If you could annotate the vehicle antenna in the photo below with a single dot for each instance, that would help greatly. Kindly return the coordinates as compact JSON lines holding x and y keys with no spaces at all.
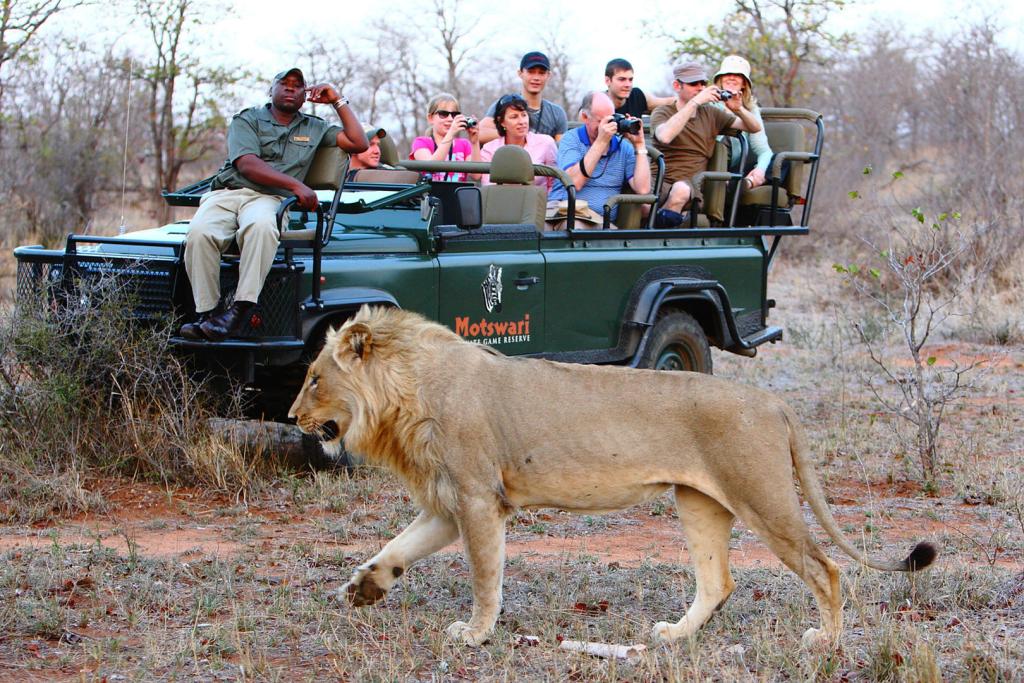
{"x":122,"y":229}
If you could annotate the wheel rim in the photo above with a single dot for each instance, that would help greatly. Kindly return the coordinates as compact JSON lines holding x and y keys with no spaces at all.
{"x":674,"y":357}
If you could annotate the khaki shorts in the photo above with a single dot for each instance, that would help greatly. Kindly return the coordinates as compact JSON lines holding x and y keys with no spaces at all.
{"x":666,"y":189}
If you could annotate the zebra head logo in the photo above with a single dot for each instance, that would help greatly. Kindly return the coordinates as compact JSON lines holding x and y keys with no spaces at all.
{"x":491,"y":287}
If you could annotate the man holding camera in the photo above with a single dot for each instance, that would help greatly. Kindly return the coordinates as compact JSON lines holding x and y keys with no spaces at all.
{"x":270,"y":149}
{"x":685,"y":133}
{"x":599,"y":157}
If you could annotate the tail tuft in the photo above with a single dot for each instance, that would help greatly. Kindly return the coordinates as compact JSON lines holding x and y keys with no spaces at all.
{"x":921,"y":556}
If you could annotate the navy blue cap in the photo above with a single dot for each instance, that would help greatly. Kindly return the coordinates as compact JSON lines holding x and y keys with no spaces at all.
{"x":532,"y":59}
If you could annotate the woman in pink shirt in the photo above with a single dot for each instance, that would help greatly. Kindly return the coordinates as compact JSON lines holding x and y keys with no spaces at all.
{"x":446,"y":121}
{"x":513,"y":124}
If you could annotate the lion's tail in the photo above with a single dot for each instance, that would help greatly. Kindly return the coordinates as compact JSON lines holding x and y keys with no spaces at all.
{"x":921,"y":556}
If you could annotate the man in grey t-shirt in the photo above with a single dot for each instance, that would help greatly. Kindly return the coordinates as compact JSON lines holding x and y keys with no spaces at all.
{"x":545,"y":116}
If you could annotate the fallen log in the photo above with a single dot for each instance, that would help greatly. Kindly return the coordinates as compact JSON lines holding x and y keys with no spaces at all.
{"x":285,"y":442}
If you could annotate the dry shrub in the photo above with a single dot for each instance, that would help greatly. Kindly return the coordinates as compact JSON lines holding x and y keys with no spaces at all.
{"x":86,"y":391}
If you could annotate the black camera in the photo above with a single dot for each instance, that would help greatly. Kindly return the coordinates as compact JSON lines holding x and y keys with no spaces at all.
{"x":470,"y":122}
{"x":726,"y":94}
{"x":626,"y":125}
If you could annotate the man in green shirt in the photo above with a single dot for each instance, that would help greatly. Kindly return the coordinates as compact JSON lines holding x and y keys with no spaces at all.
{"x":270,"y":149}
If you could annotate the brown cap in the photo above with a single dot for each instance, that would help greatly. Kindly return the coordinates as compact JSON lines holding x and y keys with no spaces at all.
{"x":689,"y":72}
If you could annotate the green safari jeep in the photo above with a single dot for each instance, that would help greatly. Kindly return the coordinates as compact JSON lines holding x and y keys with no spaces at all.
{"x":479,"y":260}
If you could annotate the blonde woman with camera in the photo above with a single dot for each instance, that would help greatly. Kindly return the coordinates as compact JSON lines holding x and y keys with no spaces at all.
{"x":441,"y":143}
{"x":733,"y":77}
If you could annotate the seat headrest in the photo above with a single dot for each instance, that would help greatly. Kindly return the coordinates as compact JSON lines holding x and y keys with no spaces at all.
{"x":511,"y":165}
{"x":386,"y":175}
{"x":388,"y":151}
{"x":325,"y":171}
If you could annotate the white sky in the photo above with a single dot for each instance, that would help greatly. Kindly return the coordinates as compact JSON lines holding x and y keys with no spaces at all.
{"x":598,"y":30}
{"x":595,"y":31}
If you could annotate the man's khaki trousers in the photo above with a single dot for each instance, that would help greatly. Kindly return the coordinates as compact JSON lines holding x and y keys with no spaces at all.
{"x":225,"y":215}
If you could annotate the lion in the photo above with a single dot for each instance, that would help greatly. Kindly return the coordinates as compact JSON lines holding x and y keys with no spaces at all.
{"x":476,"y":435}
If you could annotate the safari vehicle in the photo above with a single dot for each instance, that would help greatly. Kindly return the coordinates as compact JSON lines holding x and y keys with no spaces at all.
{"x":478,"y":260}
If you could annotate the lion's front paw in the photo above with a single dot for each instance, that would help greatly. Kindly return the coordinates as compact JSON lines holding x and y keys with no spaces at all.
{"x":462,"y":632}
{"x":662,"y":632}
{"x":361,"y":589}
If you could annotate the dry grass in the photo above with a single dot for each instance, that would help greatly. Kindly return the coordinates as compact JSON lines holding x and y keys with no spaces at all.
{"x":263,"y":609}
{"x":268,"y":613}
{"x":84,"y":392}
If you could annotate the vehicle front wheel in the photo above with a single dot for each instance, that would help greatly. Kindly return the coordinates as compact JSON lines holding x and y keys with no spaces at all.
{"x":677,"y":342}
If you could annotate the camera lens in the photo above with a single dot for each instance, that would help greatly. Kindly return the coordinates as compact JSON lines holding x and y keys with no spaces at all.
{"x":626,"y":125}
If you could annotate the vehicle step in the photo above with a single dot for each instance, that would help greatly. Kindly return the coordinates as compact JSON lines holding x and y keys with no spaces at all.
{"x":768,"y":334}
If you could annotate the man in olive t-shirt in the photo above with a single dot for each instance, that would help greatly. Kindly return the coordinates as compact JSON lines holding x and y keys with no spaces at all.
{"x":685,"y":131}
{"x":270,"y":149}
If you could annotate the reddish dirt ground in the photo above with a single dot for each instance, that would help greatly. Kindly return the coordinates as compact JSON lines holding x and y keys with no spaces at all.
{"x":185,"y":523}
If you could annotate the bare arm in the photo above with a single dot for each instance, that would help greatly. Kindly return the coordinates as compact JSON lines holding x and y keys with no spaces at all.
{"x":641,"y":180}
{"x":488,"y":131}
{"x":746,"y":121}
{"x":261,"y":173}
{"x":352,"y":139}
{"x":667,"y":131}
{"x":655,"y":101}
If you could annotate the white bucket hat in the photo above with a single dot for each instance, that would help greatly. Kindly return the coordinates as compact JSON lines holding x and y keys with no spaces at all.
{"x":734,"y":64}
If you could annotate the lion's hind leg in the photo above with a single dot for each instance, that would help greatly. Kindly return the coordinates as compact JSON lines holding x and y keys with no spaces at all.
{"x":371,"y":581}
{"x":779,"y":523}
{"x":707,"y":526}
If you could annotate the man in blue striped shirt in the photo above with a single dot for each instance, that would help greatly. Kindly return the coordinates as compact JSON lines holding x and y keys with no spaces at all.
{"x":599,"y":161}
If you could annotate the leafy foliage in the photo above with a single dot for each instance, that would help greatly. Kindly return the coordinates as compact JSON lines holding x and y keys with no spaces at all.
{"x":779,"y":37}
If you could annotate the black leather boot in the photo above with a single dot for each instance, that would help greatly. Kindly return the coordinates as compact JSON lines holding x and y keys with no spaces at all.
{"x":222,"y":326}
{"x":193,"y":330}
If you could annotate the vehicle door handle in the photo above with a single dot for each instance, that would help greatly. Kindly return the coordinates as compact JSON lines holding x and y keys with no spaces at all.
{"x":524,"y":282}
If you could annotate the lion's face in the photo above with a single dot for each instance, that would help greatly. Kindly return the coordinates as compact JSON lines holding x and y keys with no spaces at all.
{"x":324,"y":405}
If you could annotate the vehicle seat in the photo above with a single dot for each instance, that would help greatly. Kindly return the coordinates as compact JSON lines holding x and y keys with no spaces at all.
{"x":389,"y":176}
{"x":329,"y":163}
{"x":783,"y":136}
{"x":714,"y":190}
{"x":631,"y":215}
{"x":513,"y":198}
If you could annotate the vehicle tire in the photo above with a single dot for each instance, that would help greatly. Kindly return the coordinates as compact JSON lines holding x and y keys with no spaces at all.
{"x":677,"y":342}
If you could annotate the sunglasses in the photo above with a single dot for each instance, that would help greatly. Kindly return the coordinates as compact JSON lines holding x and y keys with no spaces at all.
{"x":509,"y":99}
{"x":700,"y":83}
{"x":445,"y":114}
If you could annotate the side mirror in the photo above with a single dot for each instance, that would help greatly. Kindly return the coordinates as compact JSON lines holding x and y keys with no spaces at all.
{"x":469,"y":208}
